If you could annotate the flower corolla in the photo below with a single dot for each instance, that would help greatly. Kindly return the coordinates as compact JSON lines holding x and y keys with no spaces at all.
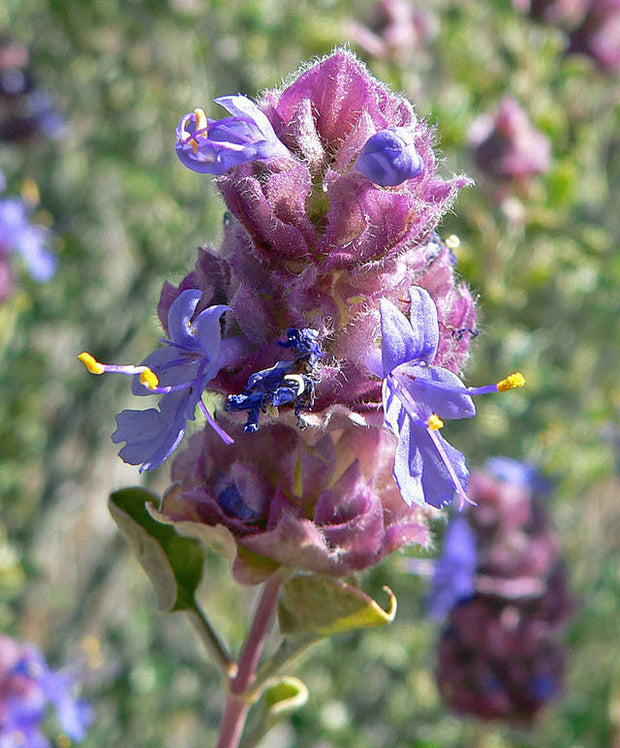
{"x":417,"y":396}
{"x":28,"y":687}
{"x":215,"y":146}
{"x":180,"y":372}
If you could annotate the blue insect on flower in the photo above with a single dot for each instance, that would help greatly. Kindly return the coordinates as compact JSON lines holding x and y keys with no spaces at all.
{"x":284,"y":383}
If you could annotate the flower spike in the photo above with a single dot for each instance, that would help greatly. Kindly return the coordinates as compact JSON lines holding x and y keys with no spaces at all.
{"x":418,"y":396}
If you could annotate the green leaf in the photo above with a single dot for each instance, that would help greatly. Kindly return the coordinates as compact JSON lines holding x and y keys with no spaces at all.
{"x":173,"y":563}
{"x":285,"y":696}
{"x":314,"y":607}
{"x":279,"y":699}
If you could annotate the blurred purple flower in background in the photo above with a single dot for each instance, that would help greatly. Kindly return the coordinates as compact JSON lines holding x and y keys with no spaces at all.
{"x":19,"y":235}
{"x":28,"y":688}
{"x":598,"y":35}
{"x":564,"y":13}
{"x":593,"y":26}
{"x":455,"y":570}
{"x":25,"y":110}
{"x":506,"y":146}
{"x":395,"y":31}
{"x":500,"y":655}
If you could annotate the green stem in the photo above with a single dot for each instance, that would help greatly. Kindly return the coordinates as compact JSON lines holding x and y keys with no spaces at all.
{"x":211,"y":640}
{"x":287,"y":651}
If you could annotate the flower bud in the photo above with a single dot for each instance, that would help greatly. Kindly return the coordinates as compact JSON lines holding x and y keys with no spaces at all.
{"x":390,"y":157}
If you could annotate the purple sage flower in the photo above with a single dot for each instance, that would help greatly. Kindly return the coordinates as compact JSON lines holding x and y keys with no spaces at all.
{"x":215,"y":146}
{"x":389,"y":157}
{"x":454,"y":574}
{"x":417,"y":396}
{"x":19,"y":235}
{"x":180,"y":372}
{"x":317,"y":262}
{"x":499,"y":655}
{"x":598,"y":35}
{"x":28,"y":688}
{"x":25,"y":110}
{"x":506,"y":146}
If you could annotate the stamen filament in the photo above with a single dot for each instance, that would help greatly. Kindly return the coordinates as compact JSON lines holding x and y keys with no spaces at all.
{"x":511,"y":382}
{"x":463,"y":497}
{"x":226,"y":438}
{"x":147,"y":376}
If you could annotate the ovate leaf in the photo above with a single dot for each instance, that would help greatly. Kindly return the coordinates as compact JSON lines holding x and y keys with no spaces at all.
{"x":279,"y":699}
{"x":173,"y":563}
{"x":313,"y":607}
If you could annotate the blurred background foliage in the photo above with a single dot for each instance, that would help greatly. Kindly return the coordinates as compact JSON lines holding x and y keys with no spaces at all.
{"x":126,"y":216}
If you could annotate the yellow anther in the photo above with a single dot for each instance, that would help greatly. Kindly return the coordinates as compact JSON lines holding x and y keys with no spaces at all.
{"x":149,"y":379}
{"x":91,"y":363}
{"x":511,"y":382}
{"x":434,"y":422}
{"x":30,"y":192}
{"x":202,"y":123}
{"x":453,"y":242}
{"x":201,"y":119}
{"x":297,"y":379}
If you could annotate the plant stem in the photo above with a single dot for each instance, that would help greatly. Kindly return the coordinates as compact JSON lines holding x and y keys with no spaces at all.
{"x":238,"y":700}
{"x":233,"y":721}
{"x":211,"y":640}
{"x":286,"y":653}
